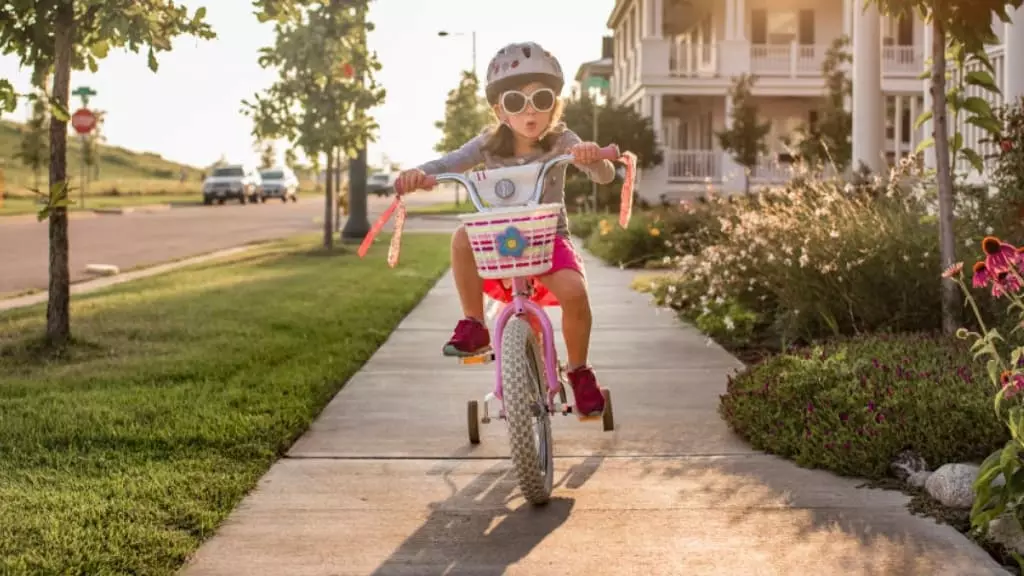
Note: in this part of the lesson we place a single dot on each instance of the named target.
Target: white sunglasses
(514, 101)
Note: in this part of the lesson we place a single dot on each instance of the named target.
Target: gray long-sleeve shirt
(472, 154)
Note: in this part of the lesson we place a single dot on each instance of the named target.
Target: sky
(190, 110)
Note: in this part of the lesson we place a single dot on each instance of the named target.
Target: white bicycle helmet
(522, 63)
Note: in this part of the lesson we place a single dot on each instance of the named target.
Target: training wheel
(563, 379)
(473, 420)
(607, 417)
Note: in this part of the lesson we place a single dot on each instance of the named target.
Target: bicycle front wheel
(526, 411)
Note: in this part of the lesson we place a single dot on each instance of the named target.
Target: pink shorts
(564, 257)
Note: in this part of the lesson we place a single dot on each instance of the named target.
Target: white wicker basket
(515, 241)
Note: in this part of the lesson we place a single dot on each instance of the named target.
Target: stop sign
(83, 120)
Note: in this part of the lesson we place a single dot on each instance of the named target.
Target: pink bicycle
(512, 236)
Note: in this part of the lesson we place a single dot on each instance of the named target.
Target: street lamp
(444, 33)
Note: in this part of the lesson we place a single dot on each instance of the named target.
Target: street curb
(130, 209)
(93, 285)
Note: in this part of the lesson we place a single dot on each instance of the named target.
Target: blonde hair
(502, 139)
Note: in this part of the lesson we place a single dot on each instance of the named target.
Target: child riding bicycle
(523, 84)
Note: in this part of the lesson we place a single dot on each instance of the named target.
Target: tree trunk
(337, 190)
(58, 313)
(329, 203)
(947, 241)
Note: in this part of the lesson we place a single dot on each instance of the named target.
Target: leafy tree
(291, 159)
(268, 154)
(34, 149)
(960, 31)
(466, 114)
(325, 82)
(56, 37)
(621, 125)
(745, 140)
(828, 141)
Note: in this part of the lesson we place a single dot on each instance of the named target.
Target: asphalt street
(142, 238)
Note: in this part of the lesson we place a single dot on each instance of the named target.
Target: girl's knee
(571, 291)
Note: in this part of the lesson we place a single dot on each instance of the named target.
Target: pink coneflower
(953, 270)
(1005, 283)
(999, 255)
(981, 276)
(1012, 383)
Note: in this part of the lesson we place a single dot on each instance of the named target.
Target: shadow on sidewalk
(474, 531)
(866, 531)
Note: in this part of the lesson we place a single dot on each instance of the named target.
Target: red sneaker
(471, 337)
(586, 392)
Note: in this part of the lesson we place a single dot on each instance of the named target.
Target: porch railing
(693, 165)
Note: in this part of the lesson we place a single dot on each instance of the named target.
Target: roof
(620, 6)
(602, 63)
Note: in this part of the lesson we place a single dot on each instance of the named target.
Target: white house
(675, 60)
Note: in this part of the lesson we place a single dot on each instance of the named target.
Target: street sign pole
(84, 122)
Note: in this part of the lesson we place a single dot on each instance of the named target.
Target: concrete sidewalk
(386, 483)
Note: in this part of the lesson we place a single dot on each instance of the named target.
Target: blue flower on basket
(511, 242)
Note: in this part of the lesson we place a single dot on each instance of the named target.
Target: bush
(818, 258)
(655, 237)
(850, 406)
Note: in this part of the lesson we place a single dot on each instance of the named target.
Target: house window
(899, 31)
(782, 27)
(758, 27)
(806, 29)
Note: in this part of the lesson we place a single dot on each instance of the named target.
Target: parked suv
(381, 184)
(233, 182)
(279, 183)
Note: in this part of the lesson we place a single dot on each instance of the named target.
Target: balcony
(689, 166)
(685, 56)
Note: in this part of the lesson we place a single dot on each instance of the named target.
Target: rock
(952, 485)
(1007, 532)
(918, 479)
(906, 463)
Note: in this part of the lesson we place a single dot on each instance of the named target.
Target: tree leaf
(924, 145)
(153, 64)
(978, 106)
(922, 118)
(986, 123)
(983, 79)
(100, 49)
(974, 158)
(60, 113)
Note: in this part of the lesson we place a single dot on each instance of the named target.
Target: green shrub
(655, 237)
(850, 406)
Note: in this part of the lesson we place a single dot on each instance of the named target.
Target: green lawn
(464, 207)
(181, 390)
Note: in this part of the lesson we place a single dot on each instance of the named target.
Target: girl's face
(527, 110)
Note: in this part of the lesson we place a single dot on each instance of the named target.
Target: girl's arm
(461, 160)
(602, 171)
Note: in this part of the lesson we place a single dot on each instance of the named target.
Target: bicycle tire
(525, 392)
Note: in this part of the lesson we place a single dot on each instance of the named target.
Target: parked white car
(279, 183)
(232, 182)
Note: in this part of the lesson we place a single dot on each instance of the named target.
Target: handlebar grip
(610, 152)
(428, 184)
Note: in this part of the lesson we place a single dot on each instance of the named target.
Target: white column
(653, 18)
(928, 127)
(656, 116)
(868, 119)
(730, 20)
(848, 19)
(741, 20)
(914, 113)
(897, 128)
(1013, 71)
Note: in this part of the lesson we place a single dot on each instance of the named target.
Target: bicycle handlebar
(609, 152)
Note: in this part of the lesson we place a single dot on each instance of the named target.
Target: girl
(523, 83)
